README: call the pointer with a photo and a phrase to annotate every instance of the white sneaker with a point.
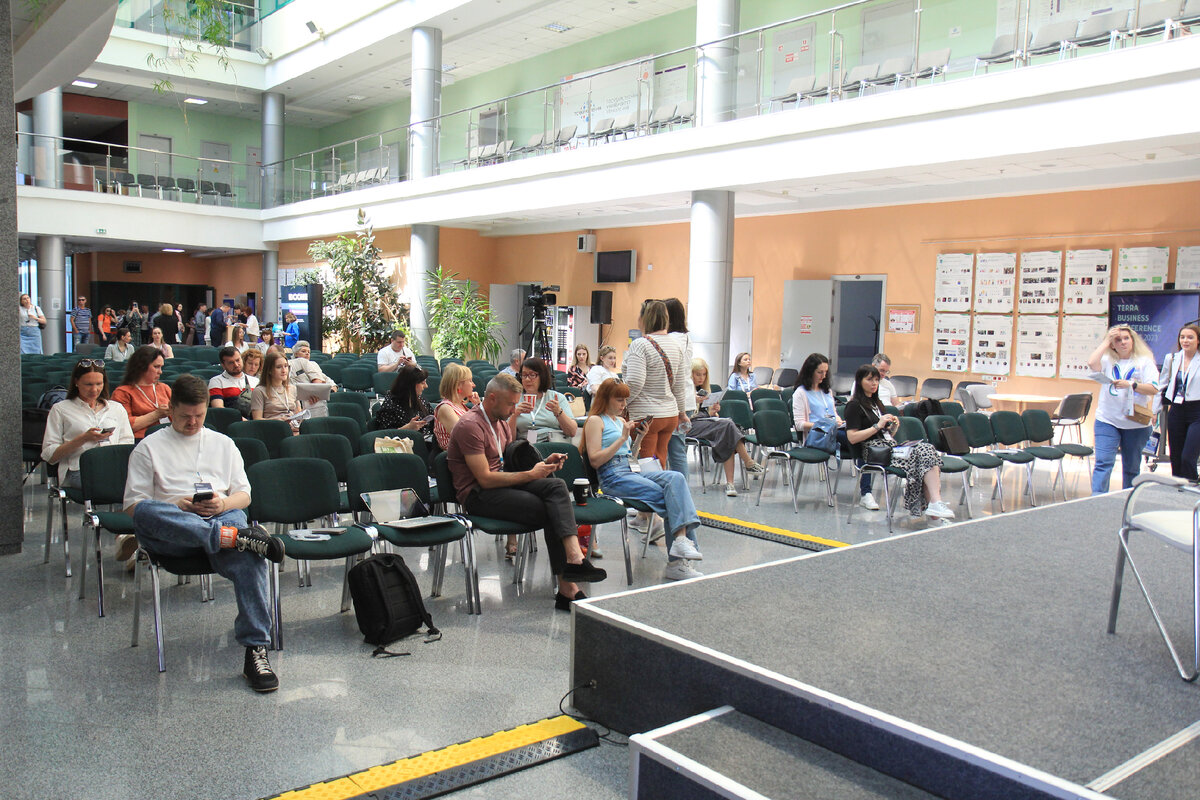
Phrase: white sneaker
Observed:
(680, 571)
(730, 490)
(939, 510)
(867, 501)
(685, 548)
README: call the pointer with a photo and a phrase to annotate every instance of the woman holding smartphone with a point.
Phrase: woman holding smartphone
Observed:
(866, 421)
(404, 407)
(541, 408)
(86, 419)
(606, 436)
(275, 397)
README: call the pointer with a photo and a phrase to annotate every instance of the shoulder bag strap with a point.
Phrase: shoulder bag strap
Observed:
(665, 360)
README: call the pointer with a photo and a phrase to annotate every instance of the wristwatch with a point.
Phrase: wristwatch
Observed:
(1134, 386)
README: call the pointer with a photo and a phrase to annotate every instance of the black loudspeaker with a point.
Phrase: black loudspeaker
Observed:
(602, 307)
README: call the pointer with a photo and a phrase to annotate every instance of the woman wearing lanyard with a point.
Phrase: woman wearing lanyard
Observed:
(1129, 377)
(541, 408)
(812, 401)
(1181, 391)
(32, 321)
(144, 398)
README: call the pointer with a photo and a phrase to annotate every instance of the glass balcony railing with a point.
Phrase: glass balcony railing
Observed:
(856, 49)
(233, 23)
(87, 166)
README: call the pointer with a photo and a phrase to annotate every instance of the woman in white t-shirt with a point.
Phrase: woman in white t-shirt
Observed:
(31, 321)
(605, 369)
(1130, 377)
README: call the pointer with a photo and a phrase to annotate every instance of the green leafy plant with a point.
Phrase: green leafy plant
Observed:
(366, 306)
(460, 318)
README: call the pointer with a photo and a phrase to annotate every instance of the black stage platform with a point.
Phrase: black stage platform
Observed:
(970, 660)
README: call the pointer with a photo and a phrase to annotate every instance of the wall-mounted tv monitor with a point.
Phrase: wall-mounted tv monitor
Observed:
(616, 266)
(1157, 316)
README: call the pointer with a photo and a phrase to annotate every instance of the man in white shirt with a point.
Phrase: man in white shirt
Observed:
(887, 392)
(224, 389)
(252, 327)
(186, 490)
(515, 359)
(396, 354)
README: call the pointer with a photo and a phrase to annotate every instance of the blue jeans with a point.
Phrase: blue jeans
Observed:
(666, 492)
(1108, 439)
(167, 529)
(864, 478)
(677, 454)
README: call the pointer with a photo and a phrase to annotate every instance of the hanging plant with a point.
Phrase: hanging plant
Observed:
(460, 318)
(365, 304)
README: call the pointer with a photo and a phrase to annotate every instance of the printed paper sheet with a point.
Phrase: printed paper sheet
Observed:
(1080, 336)
(951, 341)
(991, 344)
(995, 283)
(1087, 278)
(952, 285)
(1041, 273)
(1142, 268)
(1037, 345)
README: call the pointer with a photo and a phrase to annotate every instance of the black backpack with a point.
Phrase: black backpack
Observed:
(521, 456)
(387, 602)
(928, 407)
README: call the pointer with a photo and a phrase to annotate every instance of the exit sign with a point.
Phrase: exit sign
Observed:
(101, 230)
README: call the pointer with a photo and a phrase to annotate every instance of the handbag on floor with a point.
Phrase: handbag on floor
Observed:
(387, 602)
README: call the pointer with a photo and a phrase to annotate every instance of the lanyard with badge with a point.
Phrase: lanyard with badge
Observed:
(1112, 389)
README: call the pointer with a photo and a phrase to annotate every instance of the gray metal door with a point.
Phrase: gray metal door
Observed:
(807, 321)
(741, 317)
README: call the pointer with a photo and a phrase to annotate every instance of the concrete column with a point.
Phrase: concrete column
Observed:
(47, 121)
(12, 515)
(716, 64)
(268, 301)
(422, 257)
(272, 148)
(710, 261)
(710, 276)
(422, 163)
(54, 296)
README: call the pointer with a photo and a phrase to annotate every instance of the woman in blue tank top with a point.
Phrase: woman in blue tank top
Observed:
(606, 437)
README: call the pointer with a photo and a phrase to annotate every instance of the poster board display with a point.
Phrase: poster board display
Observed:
(995, 283)
(991, 344)
(1088, 273)
(1040, 276)
(903, 319)
(1187, 268)
(951, 341)
(952, 282)
(1080, 336)
(1142, 269)
(1037, 345)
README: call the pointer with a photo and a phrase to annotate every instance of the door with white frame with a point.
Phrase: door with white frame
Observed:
(214, 162)
(807, 321)
(741, 326)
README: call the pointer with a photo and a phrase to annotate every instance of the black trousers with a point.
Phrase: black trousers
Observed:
(545, 503)
(1183, 435)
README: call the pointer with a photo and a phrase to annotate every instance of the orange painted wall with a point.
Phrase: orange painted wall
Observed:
(902, 242)
(229, 277)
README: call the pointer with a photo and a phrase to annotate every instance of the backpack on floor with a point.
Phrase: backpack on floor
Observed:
(387, 602)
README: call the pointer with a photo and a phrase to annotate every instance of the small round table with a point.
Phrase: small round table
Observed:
(1021, 402)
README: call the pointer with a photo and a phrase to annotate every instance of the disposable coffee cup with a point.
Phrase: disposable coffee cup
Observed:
(581, 488)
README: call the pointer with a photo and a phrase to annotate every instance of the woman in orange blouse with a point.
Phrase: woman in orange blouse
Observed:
(144, 397)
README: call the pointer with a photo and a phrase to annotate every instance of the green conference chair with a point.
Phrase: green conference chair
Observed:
(1008, 431)
(60, 494)
(374, 472)
(357, 379)
(353, 398)
(102, 477)
(220, 419)
(293, 492)
(382, 382)
(252, 450)
(268, 431)
(915, 430)
(774, 429)
(934, 423)
(345, 427)
(496, 527)
(1040, 428)
(598, 509)
(331, 447)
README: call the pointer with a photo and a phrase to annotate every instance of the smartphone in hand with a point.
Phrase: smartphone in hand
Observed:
(107, 430)
(202, 492)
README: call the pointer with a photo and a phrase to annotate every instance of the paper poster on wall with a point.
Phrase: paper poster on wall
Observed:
(1085, 287)
(1037, 345)
(951, 341)
(1141, 269)
(995, 282)
(952, 282)
(1187, 268)
(1080, 336)
(991, 344)
(1041, 272)
(903, 319)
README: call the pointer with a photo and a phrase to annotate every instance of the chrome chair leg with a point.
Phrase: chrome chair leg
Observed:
(625, 547)
(966, 495)
(158, 622)
(440, 554)
(137, 594)
(346, 584)
(276, 605)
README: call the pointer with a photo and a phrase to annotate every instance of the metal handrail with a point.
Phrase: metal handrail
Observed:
(111, 146)
(603, 71)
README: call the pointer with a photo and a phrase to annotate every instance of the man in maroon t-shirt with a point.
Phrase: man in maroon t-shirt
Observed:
(477, 444)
